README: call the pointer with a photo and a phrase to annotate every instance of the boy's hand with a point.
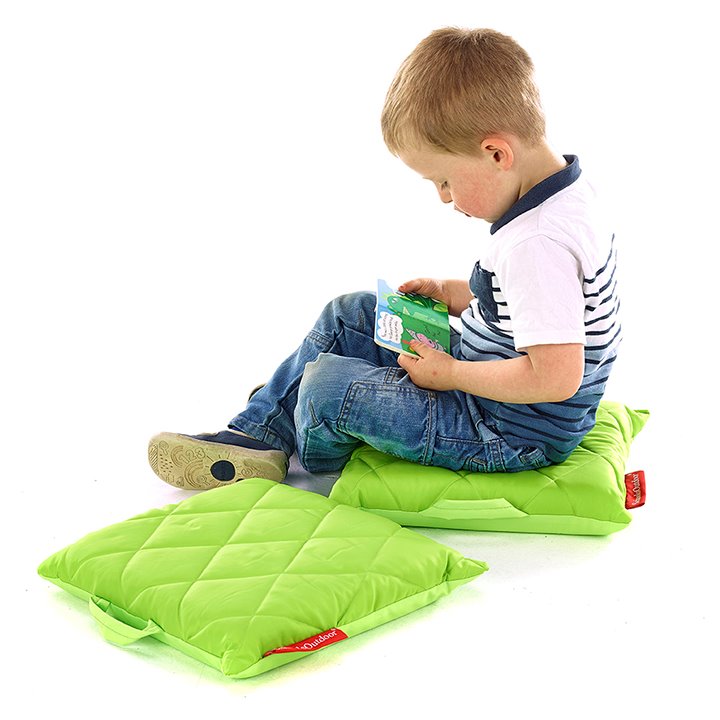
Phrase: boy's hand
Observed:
(454, 293)
(429, 287)
(432, 370)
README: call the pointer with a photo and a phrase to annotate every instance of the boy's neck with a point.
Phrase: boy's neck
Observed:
(535, 164)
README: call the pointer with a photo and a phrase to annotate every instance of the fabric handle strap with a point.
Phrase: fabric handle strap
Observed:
(115, 630)
(489, 509)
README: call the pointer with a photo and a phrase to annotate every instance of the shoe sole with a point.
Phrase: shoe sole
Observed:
(192, 464)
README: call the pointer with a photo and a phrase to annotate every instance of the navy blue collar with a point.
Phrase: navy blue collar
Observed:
(541, 192)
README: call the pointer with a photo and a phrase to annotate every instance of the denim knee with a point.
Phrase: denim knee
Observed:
(351, 301)
(356, 310)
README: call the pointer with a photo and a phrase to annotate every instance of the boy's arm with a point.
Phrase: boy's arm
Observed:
(454, 293)
(548, 373)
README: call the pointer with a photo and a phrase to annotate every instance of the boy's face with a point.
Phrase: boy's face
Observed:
(478, 186)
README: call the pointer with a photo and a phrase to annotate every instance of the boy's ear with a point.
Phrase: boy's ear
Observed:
(499, 150)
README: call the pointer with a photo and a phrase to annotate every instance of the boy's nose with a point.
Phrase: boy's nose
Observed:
(445, 195)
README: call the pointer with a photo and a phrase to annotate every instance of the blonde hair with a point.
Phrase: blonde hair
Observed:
(458, 87)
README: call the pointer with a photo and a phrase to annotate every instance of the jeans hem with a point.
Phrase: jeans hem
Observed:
(262, 434)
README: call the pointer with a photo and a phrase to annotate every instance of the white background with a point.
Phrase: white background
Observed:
(183, 185)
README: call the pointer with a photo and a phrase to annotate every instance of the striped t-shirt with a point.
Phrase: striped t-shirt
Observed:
(547, 277)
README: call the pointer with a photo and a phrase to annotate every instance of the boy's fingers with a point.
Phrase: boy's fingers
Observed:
(420, 348)
(421, 286)
(406, 362)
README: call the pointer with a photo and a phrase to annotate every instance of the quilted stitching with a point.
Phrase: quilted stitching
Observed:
(585, 494)
(243, 569)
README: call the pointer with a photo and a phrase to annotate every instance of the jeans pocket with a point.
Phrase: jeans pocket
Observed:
(489, 459)
(531, 458)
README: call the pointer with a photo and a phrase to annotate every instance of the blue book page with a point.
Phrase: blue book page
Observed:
(401, 318)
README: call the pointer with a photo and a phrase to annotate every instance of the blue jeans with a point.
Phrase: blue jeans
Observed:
(339, 389)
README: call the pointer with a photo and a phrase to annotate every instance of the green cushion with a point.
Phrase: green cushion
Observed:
(584, 495)
(254, 575)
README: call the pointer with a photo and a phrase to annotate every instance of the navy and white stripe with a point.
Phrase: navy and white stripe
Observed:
(487, 324)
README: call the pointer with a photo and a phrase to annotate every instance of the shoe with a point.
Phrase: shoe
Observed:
(202, 462)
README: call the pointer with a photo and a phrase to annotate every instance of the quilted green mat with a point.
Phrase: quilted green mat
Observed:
(585, 495)
(254, 575)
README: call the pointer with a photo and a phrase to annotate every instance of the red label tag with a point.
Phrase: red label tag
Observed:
(635, 489)
(312, 643)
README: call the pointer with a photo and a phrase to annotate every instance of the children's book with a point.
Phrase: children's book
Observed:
(401, 318)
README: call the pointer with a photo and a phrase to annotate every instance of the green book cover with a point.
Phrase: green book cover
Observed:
(401, 318)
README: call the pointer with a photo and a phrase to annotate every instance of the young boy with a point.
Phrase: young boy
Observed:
(540, 325)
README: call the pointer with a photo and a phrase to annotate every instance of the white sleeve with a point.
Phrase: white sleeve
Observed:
(542, 282)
